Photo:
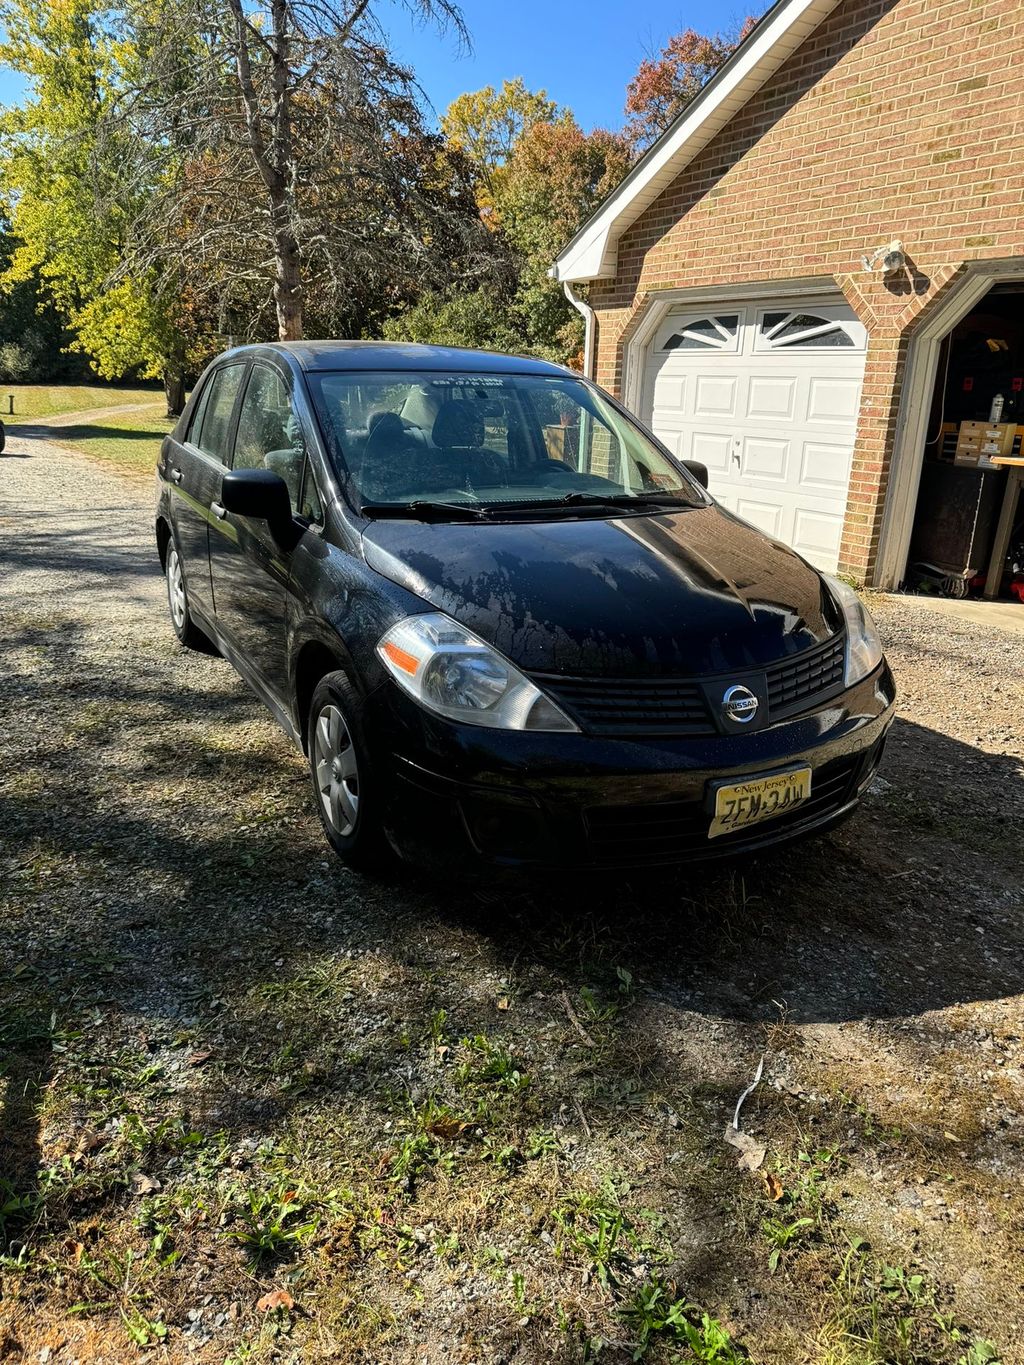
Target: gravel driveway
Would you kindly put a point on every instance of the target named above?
(451, 1124)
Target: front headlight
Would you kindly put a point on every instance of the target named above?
(864, 645)
(455, 675)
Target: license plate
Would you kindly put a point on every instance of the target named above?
(739, 804)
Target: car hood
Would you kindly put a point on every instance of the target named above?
(688, 592)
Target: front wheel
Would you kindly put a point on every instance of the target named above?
(185, 628)
(343, 787)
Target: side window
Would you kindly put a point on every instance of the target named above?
(311, 508)
(269, 435)
(212, 437)
(198, 413)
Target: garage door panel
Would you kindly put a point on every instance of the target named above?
(817, 535)
(833, 399)
(712, 448)
(671, 393)
(825, 467)
(772, 398)
(766, 516)
(715, 395)
(765, 458)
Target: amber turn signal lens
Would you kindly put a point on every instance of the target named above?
(401, 658)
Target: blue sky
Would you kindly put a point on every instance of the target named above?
(582, 53)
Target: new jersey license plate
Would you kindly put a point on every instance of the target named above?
(739, 804)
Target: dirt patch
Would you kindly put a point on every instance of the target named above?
(257, 1108)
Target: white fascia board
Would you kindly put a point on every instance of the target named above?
(592, 253)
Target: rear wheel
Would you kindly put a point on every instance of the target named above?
(343, 788)
(185, 628)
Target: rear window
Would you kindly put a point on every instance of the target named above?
(211, 427)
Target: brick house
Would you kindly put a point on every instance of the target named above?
(732, 305)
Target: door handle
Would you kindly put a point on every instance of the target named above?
(176, 476)
(218, 511)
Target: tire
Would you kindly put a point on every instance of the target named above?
(184, 627)
(346, 798)
(3, 437)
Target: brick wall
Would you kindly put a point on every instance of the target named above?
(897, 118)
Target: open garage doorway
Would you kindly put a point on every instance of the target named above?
(967, 536)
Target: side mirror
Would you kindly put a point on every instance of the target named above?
(698, 470)
(259, 494)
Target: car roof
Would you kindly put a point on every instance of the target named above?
(398, 355)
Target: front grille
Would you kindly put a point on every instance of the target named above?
(806, 676)
(631, 706)
(677, 831)
(676, 706)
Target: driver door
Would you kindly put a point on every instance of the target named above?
(248, 568)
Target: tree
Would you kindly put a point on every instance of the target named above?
(486, 125)
(68, 197)
(34, 336)
(664, 85)
(556, 177)
(551, 180)
(298, 169)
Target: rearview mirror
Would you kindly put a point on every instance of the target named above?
(698, 470)
(259, 494)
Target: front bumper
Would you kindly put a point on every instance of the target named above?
(559, 801)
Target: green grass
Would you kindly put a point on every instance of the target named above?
(35, 401)
(130, 440)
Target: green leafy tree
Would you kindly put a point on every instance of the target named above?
(556, 177)
(70, 198)
(486, 125)
(34, 336)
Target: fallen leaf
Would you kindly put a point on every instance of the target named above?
(145, 1184)
(502, 1002)
(277, 1301)
(447, 1128)
(88, 1143)
(752, 1152)
(772, 1185)
(198, 1058)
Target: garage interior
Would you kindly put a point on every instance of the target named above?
(968, 533)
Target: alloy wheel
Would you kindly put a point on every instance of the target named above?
(337, 773)
(175, 588)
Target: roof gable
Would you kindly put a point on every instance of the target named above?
(593, 252)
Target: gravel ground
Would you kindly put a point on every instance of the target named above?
(456, 1124)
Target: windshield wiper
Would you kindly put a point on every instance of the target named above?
(644, 501)
(424, 510)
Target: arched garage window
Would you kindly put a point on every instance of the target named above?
(792, 330)
(701, 334)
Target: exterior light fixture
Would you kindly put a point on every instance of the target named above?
(888, 259)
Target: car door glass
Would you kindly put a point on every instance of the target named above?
(311, 508)
(269, 435)
(215, 435)
(195, 425)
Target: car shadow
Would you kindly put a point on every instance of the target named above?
(178, 916)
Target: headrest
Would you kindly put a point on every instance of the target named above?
(457, 424)
(387, 432)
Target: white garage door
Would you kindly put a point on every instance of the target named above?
(766, 395)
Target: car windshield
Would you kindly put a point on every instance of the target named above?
(469, 443)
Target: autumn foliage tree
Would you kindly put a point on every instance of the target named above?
(664, 85)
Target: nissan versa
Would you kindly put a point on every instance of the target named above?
(503, 623)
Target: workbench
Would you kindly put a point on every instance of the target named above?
(1014, 465)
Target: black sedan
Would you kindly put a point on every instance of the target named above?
(502, 622)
